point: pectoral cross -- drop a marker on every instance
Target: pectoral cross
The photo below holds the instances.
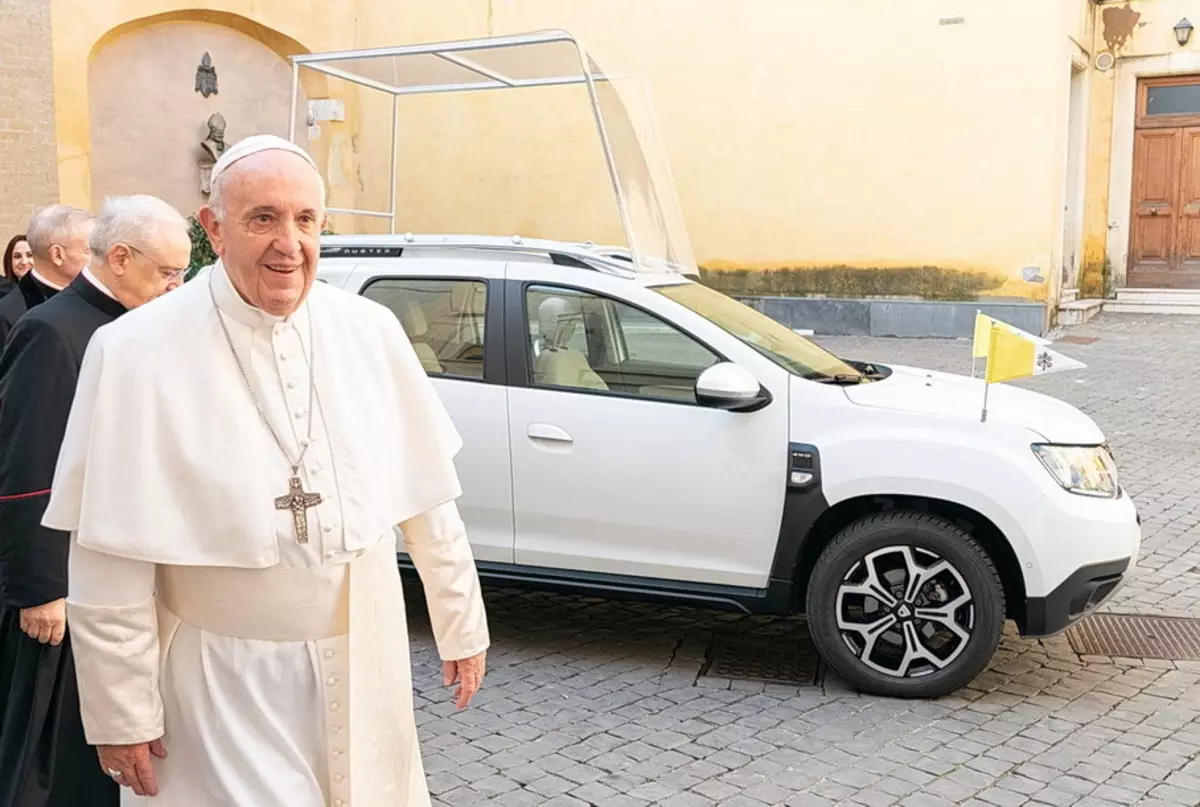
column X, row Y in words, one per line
column 298, row 501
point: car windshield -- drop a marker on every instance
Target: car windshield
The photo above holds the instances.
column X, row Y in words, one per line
column 785, row 347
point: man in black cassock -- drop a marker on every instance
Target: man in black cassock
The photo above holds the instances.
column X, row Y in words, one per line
column 58, row 238
column 140, row 249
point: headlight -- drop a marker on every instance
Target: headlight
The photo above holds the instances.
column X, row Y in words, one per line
column 1087, row 470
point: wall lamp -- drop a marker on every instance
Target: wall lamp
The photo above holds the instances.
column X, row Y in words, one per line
column 1183, row 31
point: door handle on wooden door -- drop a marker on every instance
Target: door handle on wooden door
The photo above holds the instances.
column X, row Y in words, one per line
column 544, row 431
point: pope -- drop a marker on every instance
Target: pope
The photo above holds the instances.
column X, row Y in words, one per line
column 240, row 464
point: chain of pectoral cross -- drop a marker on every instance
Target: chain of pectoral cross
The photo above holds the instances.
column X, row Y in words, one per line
column 296, row 499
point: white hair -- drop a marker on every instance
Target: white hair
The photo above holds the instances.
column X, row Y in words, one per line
column 132, row 220
column 216, row 193
column 53, row 225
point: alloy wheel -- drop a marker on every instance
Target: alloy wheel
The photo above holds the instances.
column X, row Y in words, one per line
column 905, row 611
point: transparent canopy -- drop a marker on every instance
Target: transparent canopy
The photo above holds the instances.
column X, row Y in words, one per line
column 643, row 189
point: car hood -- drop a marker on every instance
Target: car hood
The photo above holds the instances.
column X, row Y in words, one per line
column 927, row 392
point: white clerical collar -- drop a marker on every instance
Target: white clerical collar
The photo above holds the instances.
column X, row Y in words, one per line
column 38, row 277
column 95, row 281
column 232, row 303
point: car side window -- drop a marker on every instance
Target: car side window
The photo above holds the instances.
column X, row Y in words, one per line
column 444, row 319
column 584, row 341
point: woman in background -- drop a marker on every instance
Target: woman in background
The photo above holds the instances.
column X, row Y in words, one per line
column 18, row 259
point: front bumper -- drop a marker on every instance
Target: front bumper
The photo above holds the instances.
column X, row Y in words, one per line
column 1075, row 597
column 1093, row 552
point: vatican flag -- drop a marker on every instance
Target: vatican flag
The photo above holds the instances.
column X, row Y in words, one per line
column 983, row 332
column 1013, row 355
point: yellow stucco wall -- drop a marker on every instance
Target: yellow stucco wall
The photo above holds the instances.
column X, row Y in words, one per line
column 800, row 134
column 817, row 134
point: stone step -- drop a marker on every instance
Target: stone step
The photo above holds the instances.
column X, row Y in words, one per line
column 1119, row 306
column 1077, row 312
column 1167, row 296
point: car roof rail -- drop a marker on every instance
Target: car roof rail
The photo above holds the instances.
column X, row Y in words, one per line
column 609, row 260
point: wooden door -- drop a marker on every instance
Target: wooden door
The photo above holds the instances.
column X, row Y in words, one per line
column 1164, row 241
column 1155, row 187
column 1185, row 271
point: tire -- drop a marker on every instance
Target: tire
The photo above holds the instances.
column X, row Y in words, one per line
column 902, row 655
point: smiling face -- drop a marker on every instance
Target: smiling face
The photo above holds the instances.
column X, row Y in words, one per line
column 22, row 259
column 266, row 228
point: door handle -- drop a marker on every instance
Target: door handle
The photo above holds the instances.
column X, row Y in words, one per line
column 544, row 431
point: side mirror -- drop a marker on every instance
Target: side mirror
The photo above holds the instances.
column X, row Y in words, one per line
column 732, row 387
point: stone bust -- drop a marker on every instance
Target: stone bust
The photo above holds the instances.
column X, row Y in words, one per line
column 212, row 147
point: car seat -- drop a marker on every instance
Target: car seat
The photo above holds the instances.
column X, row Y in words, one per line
column 413, row 319
column 556, row 364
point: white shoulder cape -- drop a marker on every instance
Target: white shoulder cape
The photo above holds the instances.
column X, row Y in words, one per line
column 166, row 460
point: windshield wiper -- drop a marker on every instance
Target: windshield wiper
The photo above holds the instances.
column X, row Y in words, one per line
column 840, row 378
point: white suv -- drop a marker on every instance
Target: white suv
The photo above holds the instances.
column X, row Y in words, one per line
column 646, row 436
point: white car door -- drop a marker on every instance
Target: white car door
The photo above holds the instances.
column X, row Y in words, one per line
column 452, row 312
column 616, row 468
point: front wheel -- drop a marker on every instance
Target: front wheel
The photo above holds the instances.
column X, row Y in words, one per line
column 905, row 605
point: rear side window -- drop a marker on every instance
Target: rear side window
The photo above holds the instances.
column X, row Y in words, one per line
column 444, row 319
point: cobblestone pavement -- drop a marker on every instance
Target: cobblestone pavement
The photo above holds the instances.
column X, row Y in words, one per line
column 592, row 702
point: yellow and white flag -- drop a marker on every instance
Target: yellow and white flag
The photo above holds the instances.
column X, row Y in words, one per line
column 983, row 332
column 1018, row 355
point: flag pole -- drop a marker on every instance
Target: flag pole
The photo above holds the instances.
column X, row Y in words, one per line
column 986, row 383
column 973, row 359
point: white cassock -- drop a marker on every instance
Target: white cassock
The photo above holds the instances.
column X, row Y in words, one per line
column 277, row 672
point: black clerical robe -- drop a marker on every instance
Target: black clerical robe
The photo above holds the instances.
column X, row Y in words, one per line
column 44, row 758
column 29, row 292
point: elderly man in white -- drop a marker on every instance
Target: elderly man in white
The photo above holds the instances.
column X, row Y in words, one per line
column 238, row 459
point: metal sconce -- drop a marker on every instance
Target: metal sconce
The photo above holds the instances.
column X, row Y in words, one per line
column 1183, row 31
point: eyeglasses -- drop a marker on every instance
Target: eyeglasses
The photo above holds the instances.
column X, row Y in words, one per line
column 167, row 272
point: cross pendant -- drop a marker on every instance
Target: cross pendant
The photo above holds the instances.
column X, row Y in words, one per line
column 298, row 501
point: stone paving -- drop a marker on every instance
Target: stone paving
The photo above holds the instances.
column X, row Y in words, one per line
column 593, row 702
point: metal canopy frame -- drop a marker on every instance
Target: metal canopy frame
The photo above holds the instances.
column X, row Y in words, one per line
column 458, row 54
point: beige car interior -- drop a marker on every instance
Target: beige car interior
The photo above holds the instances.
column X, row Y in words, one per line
column 444, row 325
column 557, row 364
column 444, row 321
column 413, row 320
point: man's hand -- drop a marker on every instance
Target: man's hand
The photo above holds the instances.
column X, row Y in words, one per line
column 133, row 762
column 469, row 673
column 47, row 623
